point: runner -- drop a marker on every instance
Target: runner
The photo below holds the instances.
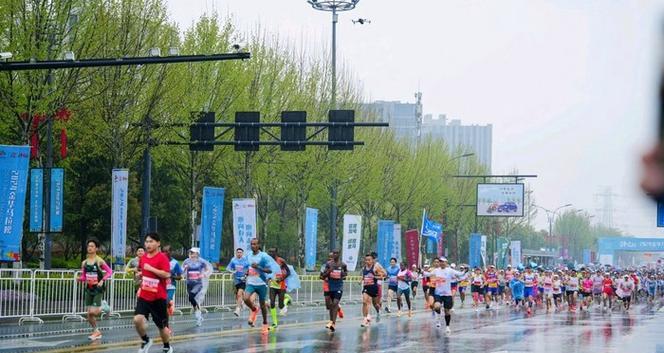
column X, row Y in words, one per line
column 530, row 287
column 132, row 267
column 491, row 291
column 427, row 286
column 94, row 272
column 334, row 273
column 625, row 289
column 370, row 296
column 154, row 273
column 416, row 276
column 650, row 284
column 278, row 287
column 517, row 287
column 586, row 290
column 259, row 267
column 176, row 275
column 379, row 280
column 557, row 292
column 607, row 291
column 443, row 277
column 477, row 287
column 571, row 288
column 509, row 274
column 597, row 287
column 547, row 283
column 195, row 270
column 392, row 282
column 404, row 277
column 238, row 267
column 463, row 285
column 501, row 286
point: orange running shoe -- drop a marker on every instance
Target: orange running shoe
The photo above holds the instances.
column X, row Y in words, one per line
column 252, row 317
column 96, row 335
column 265, row 329
column 341, row 313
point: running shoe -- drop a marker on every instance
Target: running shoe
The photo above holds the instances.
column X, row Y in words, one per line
column 329, row 324
column 96, row 335
column 265, row 329
column 387, row 310
column 447, row 330
column 274, row 327
column 283, row 311
column 167, row 350
column 145, row 346
column 332, row 328
column 340, row 313
column 237, row 312
column 399, row 313
column 252, row 317
column 438, row 324
column 365, row 322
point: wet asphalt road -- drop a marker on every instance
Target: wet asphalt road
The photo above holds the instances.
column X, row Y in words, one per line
column 302, row 330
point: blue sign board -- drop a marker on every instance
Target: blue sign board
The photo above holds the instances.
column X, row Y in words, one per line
column 57, row 199
column 384, row 241
column 211, row 223
column 660, row 213
column 36, row 200
column 14, row 162
column 310, row 238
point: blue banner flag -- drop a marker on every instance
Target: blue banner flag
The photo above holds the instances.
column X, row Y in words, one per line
column 57, row 199
column 384, row 241
column 660, row 213
column 14, row 161
column 36, row 200
column 474, row 248
column 212, row 213
column 310, row 238
column 586, row 256
column 431, row 229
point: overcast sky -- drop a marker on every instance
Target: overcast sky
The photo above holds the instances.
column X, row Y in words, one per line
column 569, row 85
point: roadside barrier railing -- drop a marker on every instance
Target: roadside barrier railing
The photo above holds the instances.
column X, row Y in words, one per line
column 33, row 295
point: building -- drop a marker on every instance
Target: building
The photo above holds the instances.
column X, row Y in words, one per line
column 461, row 138
column 406, row 121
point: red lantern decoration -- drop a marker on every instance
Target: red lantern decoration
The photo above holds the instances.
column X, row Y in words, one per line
column 63, row 143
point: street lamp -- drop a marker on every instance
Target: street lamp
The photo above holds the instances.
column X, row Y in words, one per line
column 551, row 217
column 333, row 6
column 456, row 231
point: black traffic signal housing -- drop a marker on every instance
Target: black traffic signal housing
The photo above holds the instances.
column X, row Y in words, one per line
column 341, row 133
column 293, row 133
column 201, row 133
column 247, row 133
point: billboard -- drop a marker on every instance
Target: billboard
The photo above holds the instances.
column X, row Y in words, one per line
column 500, row 200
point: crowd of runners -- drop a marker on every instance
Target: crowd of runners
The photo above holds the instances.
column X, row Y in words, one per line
column 262, row 281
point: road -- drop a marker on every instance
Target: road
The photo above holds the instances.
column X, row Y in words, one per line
column 302, row 330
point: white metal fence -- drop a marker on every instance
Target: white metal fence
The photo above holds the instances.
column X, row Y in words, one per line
column 30, row 295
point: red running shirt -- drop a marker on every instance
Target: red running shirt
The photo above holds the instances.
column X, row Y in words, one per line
column 153, row 287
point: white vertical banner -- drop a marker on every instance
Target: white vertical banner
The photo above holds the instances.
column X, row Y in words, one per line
column 120, row 195
column 515, row 250
column 244, row 223
column 351, row 241
column 396, row 243
column 483, row 250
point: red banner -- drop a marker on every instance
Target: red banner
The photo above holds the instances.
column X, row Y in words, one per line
column 412, row 246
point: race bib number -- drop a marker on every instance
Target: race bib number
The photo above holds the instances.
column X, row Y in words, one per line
column 150, row 284
column 194, row 275
column 393, row 280
column 369, row 281
column 169, row 284
column 440, row 282
column 239, row 268
column 335, row 274
column 92, row 278
column 253, row 272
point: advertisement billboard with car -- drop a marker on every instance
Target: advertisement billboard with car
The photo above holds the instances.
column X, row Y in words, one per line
column 500, row 200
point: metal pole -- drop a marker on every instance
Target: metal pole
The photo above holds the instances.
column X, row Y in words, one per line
column 147, row 181
column 193, row 200
column 333, row 190
column 333, row 218
column 47, row 191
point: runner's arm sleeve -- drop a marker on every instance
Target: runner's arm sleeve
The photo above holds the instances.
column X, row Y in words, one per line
column 108, row 273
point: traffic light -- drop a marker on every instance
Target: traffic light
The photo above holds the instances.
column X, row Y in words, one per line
column 247, row 133
column 293, row 133
column 341, row 133
column 200, row 132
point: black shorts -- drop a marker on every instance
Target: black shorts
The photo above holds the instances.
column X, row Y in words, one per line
column 557, row 296
column 392, row 288
column 477, row 289
column 334, row 294
column 446, row 300
column 413, row 284
column 627, row 298
column 570, row 292
column 241, row 285
column 429, row 290
column 157, row 308
column 371, row 291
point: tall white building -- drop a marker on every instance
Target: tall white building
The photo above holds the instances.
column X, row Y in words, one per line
column 461, row 138
column 402, row 117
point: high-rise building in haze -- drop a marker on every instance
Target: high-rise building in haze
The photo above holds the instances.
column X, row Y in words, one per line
column 406, row 121
column 461, row 138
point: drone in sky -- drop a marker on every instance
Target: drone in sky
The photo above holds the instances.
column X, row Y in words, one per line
column 361, row 21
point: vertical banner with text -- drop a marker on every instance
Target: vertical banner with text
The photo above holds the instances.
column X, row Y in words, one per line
column 384, row 241
column 212, row 215
column 351, row 241
column 396, row 243
column 14, row 161
column 57, row 199
column 515, row 249
column 310, row 238
column 474, row 250
column 483, row 250
column 412, row 247
column 440, row 245
column 119, row 203
column 244, row 223
column 586, row 256
column 36, row 200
